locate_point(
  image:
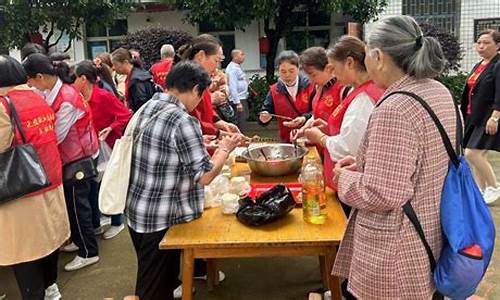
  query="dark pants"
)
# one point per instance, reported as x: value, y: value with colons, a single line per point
x: 347, y: 295
x: 241, y: 117
x: 116, y: 220
x: 158, y: 270
x: 35, y: 276
x: 80, y: 217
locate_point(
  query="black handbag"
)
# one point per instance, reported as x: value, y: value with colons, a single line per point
x: 22, y: 172
x: 82, y: 169
x: 226, y: 112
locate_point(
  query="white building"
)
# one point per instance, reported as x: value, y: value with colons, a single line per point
x: 464, y: 18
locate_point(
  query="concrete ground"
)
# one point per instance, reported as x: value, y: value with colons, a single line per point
x: 259, y: 278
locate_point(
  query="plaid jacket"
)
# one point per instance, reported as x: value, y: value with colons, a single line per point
x: 401, y: 157
x: 168, y: 159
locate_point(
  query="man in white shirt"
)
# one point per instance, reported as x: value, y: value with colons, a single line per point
x: 238, y: 86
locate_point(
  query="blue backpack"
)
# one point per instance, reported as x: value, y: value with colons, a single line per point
x: 466, y: 222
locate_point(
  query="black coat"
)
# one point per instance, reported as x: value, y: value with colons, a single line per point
x: 140, y: 87
x: 485, y: 94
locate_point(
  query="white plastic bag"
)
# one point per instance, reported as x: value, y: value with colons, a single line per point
x: 103, y: 159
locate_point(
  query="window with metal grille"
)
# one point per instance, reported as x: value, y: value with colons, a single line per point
x: 444, y: 14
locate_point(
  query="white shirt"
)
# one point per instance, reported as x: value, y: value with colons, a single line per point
x: 352, y: 129
x: 292, y: 90
x: 237, y: 82
x: 66, y: 116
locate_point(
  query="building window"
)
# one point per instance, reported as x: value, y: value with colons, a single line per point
x: 225, y: 35
x: 444, y: 14
x: 310, y: 29
x: 104, y: 39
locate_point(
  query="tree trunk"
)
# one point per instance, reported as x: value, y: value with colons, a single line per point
x: 271, y: 55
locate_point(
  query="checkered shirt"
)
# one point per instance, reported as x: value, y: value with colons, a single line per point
x: 168, y: 160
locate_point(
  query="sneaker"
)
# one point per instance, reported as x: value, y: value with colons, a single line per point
x: 3, y: 296
x: 105, y: 220
x: 222, y: 276
x: 98, y: 231
x: 70, y: 248
x: 178, y: 292
x: 80, y: 262
x: 491, y: 194
x: 112, y: 232
x: 52, y: 292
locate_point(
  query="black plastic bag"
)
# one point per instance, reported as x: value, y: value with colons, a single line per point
x: 268, y: 207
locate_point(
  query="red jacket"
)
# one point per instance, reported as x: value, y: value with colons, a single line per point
x: 160, y: 71
x: 108, y: 111
x: 205, y: 113
x: 81, y: 140
x: 37, y: 121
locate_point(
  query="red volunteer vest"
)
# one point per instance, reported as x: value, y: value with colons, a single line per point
x: 81, y: 140
x: 326, y: 99
x: 37, y: 121
x: 336, y: 118
x: 284, y: 105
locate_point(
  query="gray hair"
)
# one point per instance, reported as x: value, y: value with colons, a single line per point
x: 167, y: 51
x: 402, y: 39
x: 235, y: 52
x: 288, y: 56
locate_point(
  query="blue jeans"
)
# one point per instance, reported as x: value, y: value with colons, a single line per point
x: 116, y: 220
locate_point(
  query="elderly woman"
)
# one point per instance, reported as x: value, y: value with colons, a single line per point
x: 170, y: 166
x: 481, y: 108
x: 33, y: 227
x: 401, y: 158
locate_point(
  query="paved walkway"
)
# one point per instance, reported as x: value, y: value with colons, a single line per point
x: 259, y: 278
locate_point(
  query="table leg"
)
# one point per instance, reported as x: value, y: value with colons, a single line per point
x: 212, y: 274
x: 187, y: 274
x: 333, y: 281
x: 324, y: 272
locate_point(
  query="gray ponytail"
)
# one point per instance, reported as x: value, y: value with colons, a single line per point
x: 401, y: 38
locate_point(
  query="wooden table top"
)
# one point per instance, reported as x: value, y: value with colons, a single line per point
x: 215, y: 229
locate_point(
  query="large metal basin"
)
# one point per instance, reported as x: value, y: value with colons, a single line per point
x: 279, y: 160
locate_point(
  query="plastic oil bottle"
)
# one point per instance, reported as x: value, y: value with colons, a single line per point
x: 313, y: 191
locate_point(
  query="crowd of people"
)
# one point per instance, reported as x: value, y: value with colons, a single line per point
x: 376, y: 154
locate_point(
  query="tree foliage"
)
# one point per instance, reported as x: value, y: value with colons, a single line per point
x: 450, y: 44
x: 26, y: 20
x: 150, y: 40
x: 277, y: 15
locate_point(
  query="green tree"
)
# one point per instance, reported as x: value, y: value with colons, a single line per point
x: 277, y: 15
x: 27, y: 20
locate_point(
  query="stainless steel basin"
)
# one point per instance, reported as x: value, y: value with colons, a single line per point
x: 275, y: 159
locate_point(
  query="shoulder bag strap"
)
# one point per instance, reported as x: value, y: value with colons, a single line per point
x: 15, y: 121
x: 407, y: 207
x: 444, y: 136
x: 141, y: 131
